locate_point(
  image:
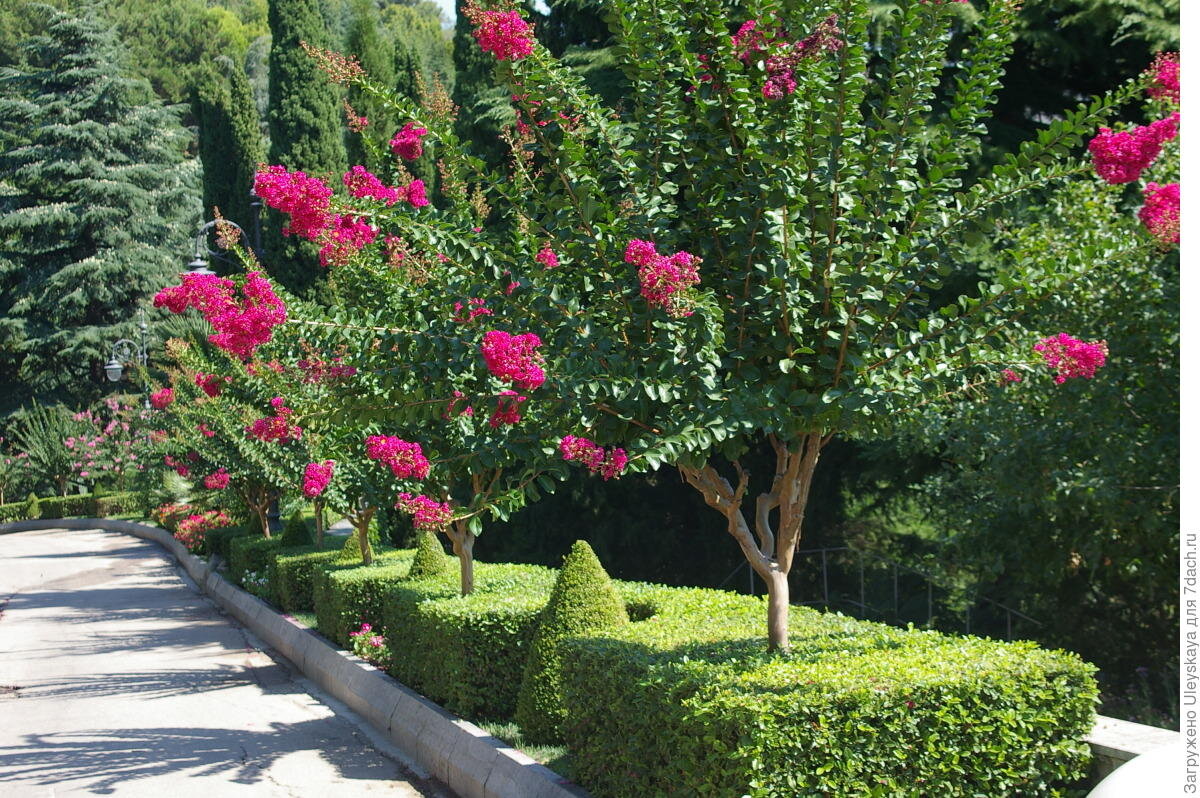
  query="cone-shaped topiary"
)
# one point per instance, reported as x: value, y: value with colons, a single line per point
x: 583, y: 600
x: 296, y: 532
x: 431, y: 558
x: 33, y: 507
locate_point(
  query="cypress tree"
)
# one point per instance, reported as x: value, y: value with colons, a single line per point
x: 97, y: 212
x: 583, y: 600
x: 375, y: 56
x: 230, y: 143
x: 305, y: 121
x: 473, y: 83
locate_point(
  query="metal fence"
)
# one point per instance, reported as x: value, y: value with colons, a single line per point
x: 875, y: 588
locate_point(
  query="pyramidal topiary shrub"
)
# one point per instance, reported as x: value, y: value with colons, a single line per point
x: 583, y: 600
x: 431, y: 558
x: 33, y: 507
x: 296, y: 532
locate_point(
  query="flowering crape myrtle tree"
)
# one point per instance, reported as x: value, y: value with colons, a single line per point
x: 220, y: 429
x: 465, y: 326
x: 777, y: 184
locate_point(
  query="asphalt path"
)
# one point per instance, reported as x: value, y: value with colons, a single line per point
x: 118, y: 678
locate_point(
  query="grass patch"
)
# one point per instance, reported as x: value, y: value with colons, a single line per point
x: 309, y: 619
x: 554, y: 757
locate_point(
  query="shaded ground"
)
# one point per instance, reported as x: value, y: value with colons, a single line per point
x: 117, y: 678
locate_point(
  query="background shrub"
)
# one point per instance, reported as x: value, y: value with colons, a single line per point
x: 583, y: 601
x: 218, y: 540
x: 251, y: 554
x: 296, y: 532
x: 33, y: 508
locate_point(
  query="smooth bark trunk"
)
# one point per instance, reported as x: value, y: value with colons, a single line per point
x: 319, y: 516
x: 464, y: 548
x: 362, y: 525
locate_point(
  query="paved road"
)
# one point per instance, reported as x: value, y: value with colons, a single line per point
x: 118, y: 678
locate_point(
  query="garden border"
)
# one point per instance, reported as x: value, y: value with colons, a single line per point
x: 458, y: 753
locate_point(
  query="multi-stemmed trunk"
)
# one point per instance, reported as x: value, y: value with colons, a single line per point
x: 464, y: 548
x: 361, y: 519
x: 258, y: 499
x: 319, y: 516
x: 768, y: 548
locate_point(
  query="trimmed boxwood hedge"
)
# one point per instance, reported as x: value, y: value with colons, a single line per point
x: 344, y: 596
x: 688, y: 702
x: 251, y: 553
x: 467, y: 652
x: 217, y: 541
x: 292, y: 572
x: 82, y: 505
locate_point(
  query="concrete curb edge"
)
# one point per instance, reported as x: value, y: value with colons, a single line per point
x: 461, y: 755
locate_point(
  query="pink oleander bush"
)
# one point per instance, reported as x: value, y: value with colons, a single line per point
x: 190, y: 531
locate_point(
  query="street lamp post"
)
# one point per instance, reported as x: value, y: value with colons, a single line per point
x: 201, y: 252
x: 126, y: 352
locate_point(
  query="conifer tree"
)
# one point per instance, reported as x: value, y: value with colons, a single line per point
x: 375, y: 55
x: 304, y: 119
x: 230, y: 142
x: 99, y: 205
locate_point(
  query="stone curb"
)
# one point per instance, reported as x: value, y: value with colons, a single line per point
x: 459, y: 754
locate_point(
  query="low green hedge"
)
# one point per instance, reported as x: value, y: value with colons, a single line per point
x: 344, y: 596
x: 82, y: 505
x: 251, y: 554
x: 292, y: 573
x: 217, y: 541
x: 688, y: 702
x: 467, y: 652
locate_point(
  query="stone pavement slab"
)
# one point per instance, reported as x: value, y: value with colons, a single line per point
x: 116, y: 678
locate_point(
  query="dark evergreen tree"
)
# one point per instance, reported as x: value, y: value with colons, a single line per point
x: 230, y: 143
x: 374, y: 53
x: 305, y: 121
x: 483, y: 107
x: 98, y: 207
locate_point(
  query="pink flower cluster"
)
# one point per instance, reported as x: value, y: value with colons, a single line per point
x: 305, y: 199
x: 546, y: 257
x: 514, y: 358
x: 217, y: 480
x: 241, y: 327
x: 347, y: 236
x: 466, y: 313
x: 427, y: 514
x: 414, y: 193
x: 504, y: 34
x: 407, y: 143
x: 750, y: 40
x: 277, y: 428
x: 404, y: 458
x: 318, y: 371
x: 1069, y: 357
x: 160, y: 400
x: 205, y: 430
x: 608, y: 463
x: 364, y: 185
x: 664, y: 279
x: 1122, y: 156
x: 211, y: 384
x: 190, y: 531
x: 1164, y: 85
x: 1008, y: 375
x: 508, y: 409
x: 1160, y: 214
x: 452, y: 407
x: 316, y: 478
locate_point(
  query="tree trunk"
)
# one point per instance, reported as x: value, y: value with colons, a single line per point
x: 319, y: 516
x: 778, y: 605
x: 464, y: 547
x: 362, y: 523
x: 769, y: 550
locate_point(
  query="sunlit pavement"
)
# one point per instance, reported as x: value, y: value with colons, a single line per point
x: 117, y: 678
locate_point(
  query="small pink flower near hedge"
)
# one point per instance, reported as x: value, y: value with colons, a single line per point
x: 190, y: 531
x: 1070, y: 357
